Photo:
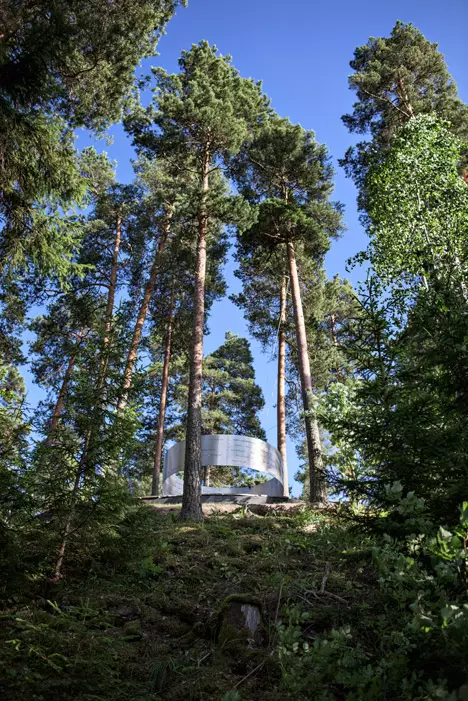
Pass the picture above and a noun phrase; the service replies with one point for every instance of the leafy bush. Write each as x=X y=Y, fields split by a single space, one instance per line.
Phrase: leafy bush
x=414 y=648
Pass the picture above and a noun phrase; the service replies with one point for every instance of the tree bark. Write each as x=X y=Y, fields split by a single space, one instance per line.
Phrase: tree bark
x=333 y=329
x=109 y=308
x=112 y=285
x=61 y=397
x=162 y=401
x=66 y=532
x=191 y=499
x=145 y=302
x=318 y=494
x=403 y=97
x=281 y=401
x=64 y=388
x=105 y=346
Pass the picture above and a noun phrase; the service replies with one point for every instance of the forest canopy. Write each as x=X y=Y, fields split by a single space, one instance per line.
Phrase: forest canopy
x=107 y=291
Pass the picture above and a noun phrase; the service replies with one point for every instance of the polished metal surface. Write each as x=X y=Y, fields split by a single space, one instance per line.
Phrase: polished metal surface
x=230 y=451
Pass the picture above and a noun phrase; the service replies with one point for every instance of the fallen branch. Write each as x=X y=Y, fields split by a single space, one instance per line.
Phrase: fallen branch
x=256 y=669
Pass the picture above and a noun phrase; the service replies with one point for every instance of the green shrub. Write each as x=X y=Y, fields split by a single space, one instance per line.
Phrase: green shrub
x=414 y=648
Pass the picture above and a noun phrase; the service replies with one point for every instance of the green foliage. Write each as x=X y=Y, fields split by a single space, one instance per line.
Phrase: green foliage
x=396 y=78
x=143 y=591
x=405 y=418
x=207 y=103
x=418 y=207
x=419 y=580
x=106 y=598
x=12 y=426
x=62 y=65
x=288 y=173
x=77 y=58
x=40 y=178
x=232 y=399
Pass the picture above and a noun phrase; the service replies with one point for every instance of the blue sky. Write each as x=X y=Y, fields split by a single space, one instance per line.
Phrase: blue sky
x=301 y=51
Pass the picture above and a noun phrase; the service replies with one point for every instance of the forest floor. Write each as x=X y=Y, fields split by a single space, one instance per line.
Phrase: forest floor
x=148 y=628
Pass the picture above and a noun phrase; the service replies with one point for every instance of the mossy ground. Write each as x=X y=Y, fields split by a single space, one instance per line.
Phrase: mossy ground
x=143 y=625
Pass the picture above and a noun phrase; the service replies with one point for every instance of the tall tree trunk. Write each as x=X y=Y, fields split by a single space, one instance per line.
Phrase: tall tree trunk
x=318 y=494
x=110 y=307
x=281 y=401
x=191 y=500
x=162 y=401
x=64 y=389
x=105 y=346
x=145 y=302
x=335 y=341
x=67 y=530
x=112 y=285
x=61 y=397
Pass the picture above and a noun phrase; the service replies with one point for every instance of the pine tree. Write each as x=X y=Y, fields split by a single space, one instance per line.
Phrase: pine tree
x=330 y=311
x=396 y=78
x=166 y=341
x=288 y=173
x=167 y=195
x=158 y=448
x=204 y=114
x=76 y=57
x=107 y=245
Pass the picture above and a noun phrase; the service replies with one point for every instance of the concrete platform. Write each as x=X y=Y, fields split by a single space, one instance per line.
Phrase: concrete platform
x=239 y=499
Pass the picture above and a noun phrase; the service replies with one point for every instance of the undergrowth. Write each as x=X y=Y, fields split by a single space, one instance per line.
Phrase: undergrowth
x=347 y=614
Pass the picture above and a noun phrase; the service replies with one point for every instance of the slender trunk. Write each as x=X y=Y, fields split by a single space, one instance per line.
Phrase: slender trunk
x=318 y=492
x=162 y=401
x=215 y=429
x=90 y=433
x=61 y=397
x=64 y=389
x=112 y=285
x=191 y=500
x=66 y=532
x=109 y=308
x=281 y=402
x=335 y=341
x=145 y=302
x=105 y=347
x=333 y=329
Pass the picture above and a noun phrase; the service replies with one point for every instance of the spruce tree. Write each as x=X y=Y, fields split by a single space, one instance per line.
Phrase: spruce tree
x=231 y=399
x=264 y=301
x=63 y=64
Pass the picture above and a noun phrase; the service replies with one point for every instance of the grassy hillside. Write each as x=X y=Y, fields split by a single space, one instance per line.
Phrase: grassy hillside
x=141 y=618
